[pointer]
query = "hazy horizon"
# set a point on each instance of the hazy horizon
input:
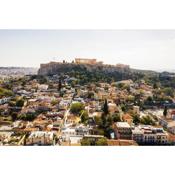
(141, 49)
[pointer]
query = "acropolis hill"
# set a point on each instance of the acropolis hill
(81, 64)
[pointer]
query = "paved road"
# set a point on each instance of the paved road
(63, 124)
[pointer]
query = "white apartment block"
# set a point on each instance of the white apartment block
(149, 135)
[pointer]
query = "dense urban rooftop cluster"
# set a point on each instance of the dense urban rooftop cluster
(62, 110)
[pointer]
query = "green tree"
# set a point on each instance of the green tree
(90, 94)
(147, 120)
(105, 107)
(98, 120)
(116, 117)
(169, 91)
(123, 107)
(109, 120)
(101, 142)
(92, 142)
(20, 102)
(100, 131)
(5, 92)
(27, 116)
(104, 121)
(155, 86)
(136, 119)
(42, 79)
(14, 116)
(165, 112)
(120, 85)
(84, 116)
(86, 142)
(130, 98)
(76, 108)
(59, 85)
(150, 99)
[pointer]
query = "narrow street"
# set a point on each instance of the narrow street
(64, 121)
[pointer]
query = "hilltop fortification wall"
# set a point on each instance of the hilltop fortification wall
(53, 68)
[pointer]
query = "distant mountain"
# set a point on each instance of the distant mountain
(166, 70)
(14, 71)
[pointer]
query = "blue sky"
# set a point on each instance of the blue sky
(144, 49)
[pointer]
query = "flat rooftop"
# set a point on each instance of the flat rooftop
(122, 125)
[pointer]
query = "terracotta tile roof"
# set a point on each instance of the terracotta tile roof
(127, 116)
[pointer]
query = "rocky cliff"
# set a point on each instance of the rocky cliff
(94, 73)
(53, 68)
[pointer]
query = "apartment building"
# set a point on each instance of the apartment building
(40, 138)
(123, 130)
(149, 135)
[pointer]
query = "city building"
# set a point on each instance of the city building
(40, 138)
(149, 135)
(123, 130)
(4, 100)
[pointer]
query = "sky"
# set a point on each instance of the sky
(141, 49)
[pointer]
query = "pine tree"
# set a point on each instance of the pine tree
(105, 107)
(59, 85)
(165, 112)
